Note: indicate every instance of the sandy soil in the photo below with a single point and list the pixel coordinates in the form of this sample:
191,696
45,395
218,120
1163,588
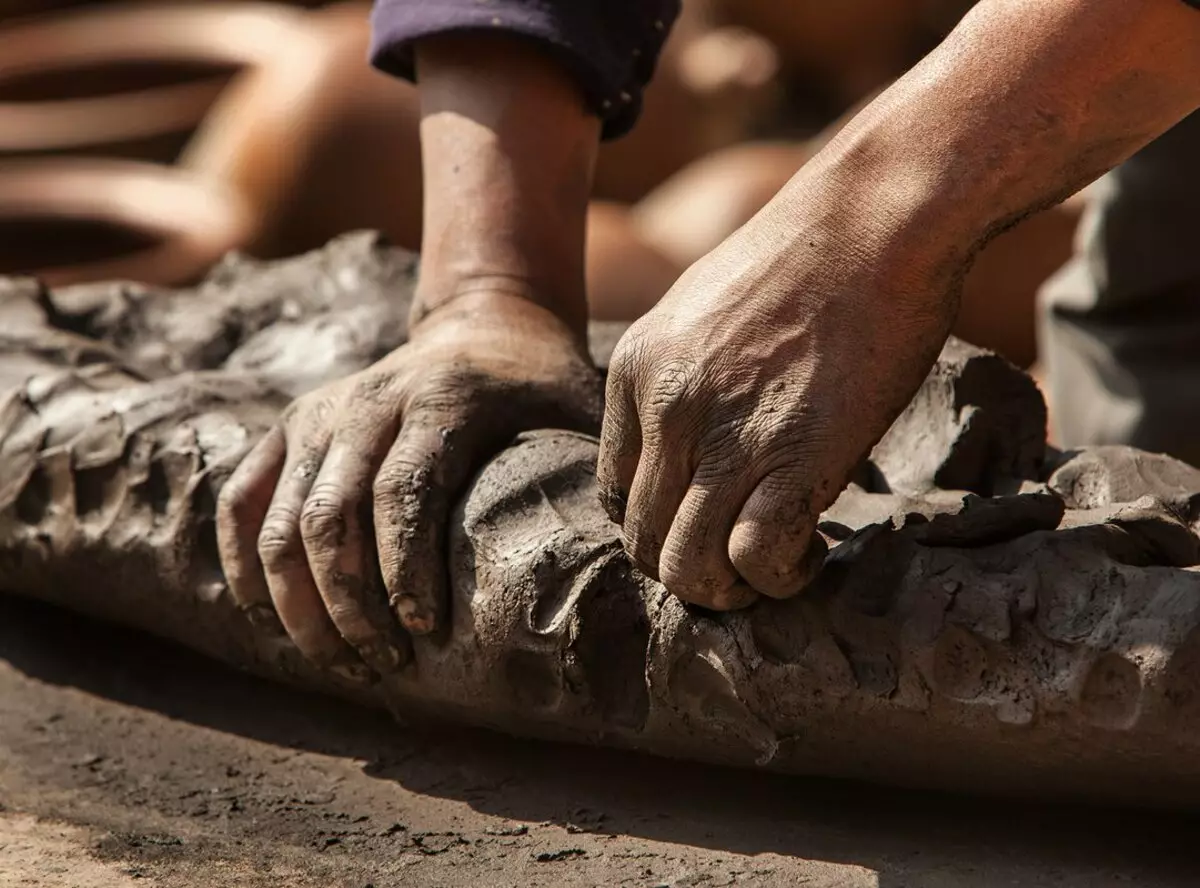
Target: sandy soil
127,763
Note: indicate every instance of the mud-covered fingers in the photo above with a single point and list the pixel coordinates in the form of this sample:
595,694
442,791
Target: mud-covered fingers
774,544
620,447
658,488
285,563
695,565
336,527
415,491
241,509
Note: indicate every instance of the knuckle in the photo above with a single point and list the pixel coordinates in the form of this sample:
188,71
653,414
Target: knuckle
315,409
298,408
778,566
371,387
718,471
392,562
395,478
323,517
279,543
671,388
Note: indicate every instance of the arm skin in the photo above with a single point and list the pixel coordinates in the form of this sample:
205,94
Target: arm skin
335,523
738,406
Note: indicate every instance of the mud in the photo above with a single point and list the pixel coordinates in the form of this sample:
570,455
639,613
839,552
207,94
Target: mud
1041,638
126,762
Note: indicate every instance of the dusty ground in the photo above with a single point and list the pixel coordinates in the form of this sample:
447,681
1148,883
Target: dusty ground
127,763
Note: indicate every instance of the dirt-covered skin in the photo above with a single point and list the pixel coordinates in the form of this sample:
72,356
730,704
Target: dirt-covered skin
1042,640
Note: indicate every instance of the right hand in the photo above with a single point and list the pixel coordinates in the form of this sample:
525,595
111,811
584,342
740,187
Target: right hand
336,521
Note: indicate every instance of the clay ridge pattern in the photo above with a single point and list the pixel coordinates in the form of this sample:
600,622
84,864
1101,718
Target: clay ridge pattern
993,615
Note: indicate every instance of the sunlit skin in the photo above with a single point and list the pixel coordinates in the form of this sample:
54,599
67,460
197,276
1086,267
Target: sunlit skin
738,406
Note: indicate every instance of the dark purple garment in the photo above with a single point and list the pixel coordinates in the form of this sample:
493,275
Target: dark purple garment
610,46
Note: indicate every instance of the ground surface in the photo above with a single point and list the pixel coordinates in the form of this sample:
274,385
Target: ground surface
127,763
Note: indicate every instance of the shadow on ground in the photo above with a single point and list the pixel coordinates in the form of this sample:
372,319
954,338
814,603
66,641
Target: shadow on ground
906,837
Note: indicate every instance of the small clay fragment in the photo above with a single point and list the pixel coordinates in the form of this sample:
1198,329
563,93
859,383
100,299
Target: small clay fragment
977,423
1102,476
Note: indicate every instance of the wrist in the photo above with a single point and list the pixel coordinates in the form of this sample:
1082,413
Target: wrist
863,213
494,304
442,295
901,200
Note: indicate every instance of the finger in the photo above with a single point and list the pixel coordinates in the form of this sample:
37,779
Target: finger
281,548
338,533
416,488
658,487
620,447
774,544
695,564
241,509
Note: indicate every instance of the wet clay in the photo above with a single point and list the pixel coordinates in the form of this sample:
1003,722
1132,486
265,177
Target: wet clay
1034,631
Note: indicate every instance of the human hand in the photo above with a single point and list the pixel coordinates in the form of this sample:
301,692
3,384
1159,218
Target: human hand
336,521
739,406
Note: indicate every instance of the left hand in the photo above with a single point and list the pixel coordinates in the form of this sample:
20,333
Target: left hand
739,406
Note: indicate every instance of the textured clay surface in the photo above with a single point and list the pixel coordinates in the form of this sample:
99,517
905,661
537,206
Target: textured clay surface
1036,631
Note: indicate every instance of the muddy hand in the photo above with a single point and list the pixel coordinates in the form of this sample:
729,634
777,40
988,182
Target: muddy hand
738,407
336,521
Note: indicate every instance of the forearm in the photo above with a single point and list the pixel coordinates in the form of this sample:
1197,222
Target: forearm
508,148
1023,104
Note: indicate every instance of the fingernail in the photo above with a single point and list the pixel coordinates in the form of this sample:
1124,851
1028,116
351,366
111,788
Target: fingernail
264,619
413,617
384,657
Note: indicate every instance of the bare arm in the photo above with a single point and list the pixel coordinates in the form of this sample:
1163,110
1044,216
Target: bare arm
1026,102
738,407
507,152
336,521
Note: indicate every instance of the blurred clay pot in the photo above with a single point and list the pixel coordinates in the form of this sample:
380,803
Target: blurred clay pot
999,298
626,276
70,221
126,80
843,49
697,208
711,86
318,141
694,210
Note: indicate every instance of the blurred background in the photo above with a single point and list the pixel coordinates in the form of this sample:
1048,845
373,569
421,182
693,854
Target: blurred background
143,140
